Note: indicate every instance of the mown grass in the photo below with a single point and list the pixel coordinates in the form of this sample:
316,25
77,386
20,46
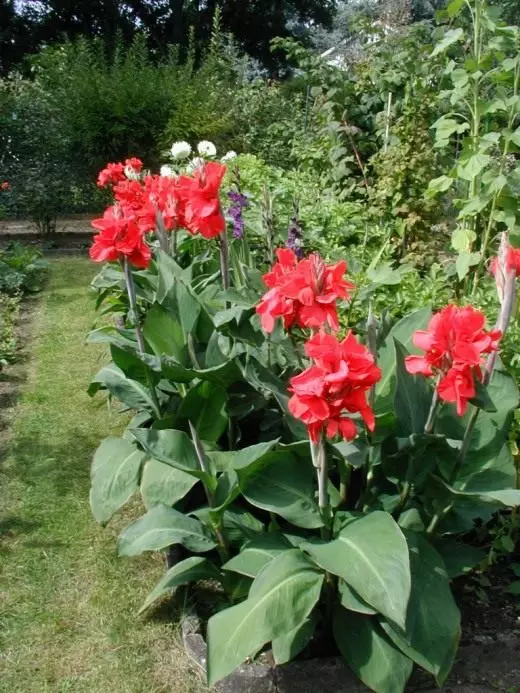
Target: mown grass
67,602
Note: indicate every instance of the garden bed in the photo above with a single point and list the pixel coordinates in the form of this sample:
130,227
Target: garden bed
488,658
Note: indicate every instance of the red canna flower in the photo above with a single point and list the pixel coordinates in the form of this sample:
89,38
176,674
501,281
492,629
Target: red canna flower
512,261
335,385
119,235
303,293
112,173
454,344
201,202
458,386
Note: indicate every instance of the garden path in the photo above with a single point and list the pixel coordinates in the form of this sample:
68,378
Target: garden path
67,603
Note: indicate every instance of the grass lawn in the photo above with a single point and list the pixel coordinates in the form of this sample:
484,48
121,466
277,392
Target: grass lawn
67,602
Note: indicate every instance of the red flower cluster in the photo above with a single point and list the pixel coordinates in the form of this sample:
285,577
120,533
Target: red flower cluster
119,235
454,344
191,203
4,185
114,173
303,293
337,382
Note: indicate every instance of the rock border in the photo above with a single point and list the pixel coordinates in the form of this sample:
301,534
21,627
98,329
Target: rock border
327,675
471,673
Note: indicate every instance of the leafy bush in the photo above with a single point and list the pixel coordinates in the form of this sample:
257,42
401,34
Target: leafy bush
326,485
9,310
22,269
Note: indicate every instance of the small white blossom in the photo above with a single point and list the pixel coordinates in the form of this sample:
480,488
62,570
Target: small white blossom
206,148
229,156
181,150
197,162
167,171
131,173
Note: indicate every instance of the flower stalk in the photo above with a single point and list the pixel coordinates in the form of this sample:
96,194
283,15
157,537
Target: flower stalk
319,460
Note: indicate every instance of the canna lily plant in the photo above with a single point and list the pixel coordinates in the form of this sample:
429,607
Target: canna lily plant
324,482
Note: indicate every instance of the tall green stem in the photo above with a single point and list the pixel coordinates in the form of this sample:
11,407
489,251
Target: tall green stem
319,460
132,298
222,547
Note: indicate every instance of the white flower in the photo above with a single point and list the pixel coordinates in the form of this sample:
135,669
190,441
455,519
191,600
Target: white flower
206,148
197,162
131,173
181,150
229,156
167,171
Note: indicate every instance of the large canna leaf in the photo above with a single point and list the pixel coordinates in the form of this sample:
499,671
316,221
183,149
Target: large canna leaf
280,600
190,570
162,483
433,621
115,476
371,555
257,553
286,487
161,527
171,447
130,392
370,653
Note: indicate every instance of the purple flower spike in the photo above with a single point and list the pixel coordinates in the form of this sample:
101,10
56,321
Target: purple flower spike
295,237
238,202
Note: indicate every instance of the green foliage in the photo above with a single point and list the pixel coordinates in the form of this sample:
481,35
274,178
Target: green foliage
9,310
481,108
22,269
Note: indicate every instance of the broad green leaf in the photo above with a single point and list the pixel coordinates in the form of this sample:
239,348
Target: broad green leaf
288,646
507,498
413,396
464,261
371,555
164,334
462,239
115,476
458,558
190,570
353,602
473,166
171,447
257,553
454,7
285,487
280,600
482,400
441,184
161,527
514,588
449,38
205,406
433,622
130,392
239,525
370,653
403,332
162,483
445,127
515,137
